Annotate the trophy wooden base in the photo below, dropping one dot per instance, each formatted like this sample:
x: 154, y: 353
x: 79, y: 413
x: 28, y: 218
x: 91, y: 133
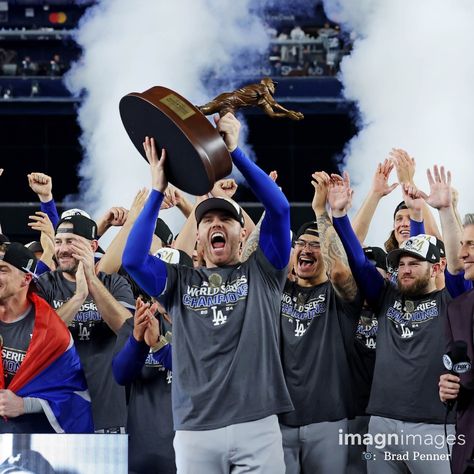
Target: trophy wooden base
x: 196, y: 154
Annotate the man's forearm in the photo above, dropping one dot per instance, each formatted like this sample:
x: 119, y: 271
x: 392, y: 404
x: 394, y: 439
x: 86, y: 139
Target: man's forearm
x: 70, y: 308
x: 452, y: 237
x: 275, y: 229
x: 112, y: 260
x: 364, y: 216
x: 112, y: 312
x: 332, y: 249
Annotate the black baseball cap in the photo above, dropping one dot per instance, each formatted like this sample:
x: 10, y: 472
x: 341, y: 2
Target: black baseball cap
x: 163, y: 232
x: 310, y: 227
x: 220, y: 203
x: 440, y: 245
x: 20, y: 257
x: 34, y: 246
x: 422, y: 246
x: 377, y: 255
x: 81, y: 225
x: 3, y: 239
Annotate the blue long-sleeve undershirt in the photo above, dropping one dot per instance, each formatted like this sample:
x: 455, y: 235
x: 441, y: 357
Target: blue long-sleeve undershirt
x: 129, y: 361
x: 416, y: 228
x: 50, y: 209
x: 149, y: 272
x: 275, y: 229
x: 368, y: 279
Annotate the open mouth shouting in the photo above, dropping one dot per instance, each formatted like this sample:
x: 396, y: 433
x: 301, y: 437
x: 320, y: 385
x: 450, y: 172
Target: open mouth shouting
x: 218, y: 241
x: 306, y: 263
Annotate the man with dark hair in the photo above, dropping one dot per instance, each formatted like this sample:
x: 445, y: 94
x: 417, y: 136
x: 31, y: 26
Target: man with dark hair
x: 94, y: 307
x: 319, y: 313
x: 228, y: 383
x: 42, y: 386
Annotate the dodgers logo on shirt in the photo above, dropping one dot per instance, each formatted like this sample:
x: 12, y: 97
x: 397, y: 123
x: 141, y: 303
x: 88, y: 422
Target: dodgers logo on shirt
x: 215, y: 298
x: 302, y: 310
x: 411, y: 316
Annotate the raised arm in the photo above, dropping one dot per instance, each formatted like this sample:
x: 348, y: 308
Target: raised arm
x: 378, y: 190
x: 148, y: 272
x: 112, y: 260
x: 440, y: 198
x: 42, y: 185
x: 42, y: 223
x: 332, y: 251
x: 114, y: 217
x: 275, y: 230
x: 368, y: 279
x: 405, y: 166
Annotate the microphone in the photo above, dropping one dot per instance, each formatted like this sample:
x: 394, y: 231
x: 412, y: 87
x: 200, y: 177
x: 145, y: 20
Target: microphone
x: 457, y: 362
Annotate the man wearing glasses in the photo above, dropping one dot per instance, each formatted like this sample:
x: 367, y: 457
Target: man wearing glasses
x: 319, y: 313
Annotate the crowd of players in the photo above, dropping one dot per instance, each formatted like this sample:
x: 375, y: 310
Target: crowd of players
x: 234, y: 348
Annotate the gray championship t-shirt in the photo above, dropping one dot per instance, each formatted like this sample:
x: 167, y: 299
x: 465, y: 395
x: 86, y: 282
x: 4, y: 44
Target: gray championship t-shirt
x: 410, y: 348
x: 317, y: 328
x: 95, y: 342
x: 16, y: 337
x: 226, y: 362
x: 362, y: 359
x: 150, y: 419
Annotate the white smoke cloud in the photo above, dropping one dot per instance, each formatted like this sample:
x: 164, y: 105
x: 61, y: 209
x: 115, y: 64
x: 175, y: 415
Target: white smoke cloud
x: 132, y: 46
x: 411, y: 74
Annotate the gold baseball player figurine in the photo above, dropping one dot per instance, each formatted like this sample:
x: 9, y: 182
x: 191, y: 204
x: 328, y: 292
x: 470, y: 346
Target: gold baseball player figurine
x: 257, y: 95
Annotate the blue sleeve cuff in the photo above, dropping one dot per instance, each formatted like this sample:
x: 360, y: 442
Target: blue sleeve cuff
x: 416, y: 228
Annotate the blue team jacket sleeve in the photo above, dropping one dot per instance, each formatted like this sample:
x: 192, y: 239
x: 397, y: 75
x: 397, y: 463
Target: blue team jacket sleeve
x: 275, y: 229
x: 149, y: 272
x: 50, y: 209
x: 369, y: 280
x: 416, y: 228
x: 129, y: 361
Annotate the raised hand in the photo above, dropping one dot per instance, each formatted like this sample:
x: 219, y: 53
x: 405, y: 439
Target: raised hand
x: 42, y: 223
x: 82, y: 251
x: 140, y: 319
x: 229, y: 127
x: 320, y: 181
x: 273, y: 175
x: 137, y: 204
x: 339, y: 194
x: 115, y: 216
x: 404, y: 164
x: 440, y: 188
x: 380, y: 184
x: 82, y: 288
x: 172, y: 197
x: 412, y: 197
x: 152, y: 331
x: 158, y: 176
x: 42, y: 185
x: 224, y: 188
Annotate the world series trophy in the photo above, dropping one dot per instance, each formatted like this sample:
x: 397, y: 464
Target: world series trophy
x: 196, y: 154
